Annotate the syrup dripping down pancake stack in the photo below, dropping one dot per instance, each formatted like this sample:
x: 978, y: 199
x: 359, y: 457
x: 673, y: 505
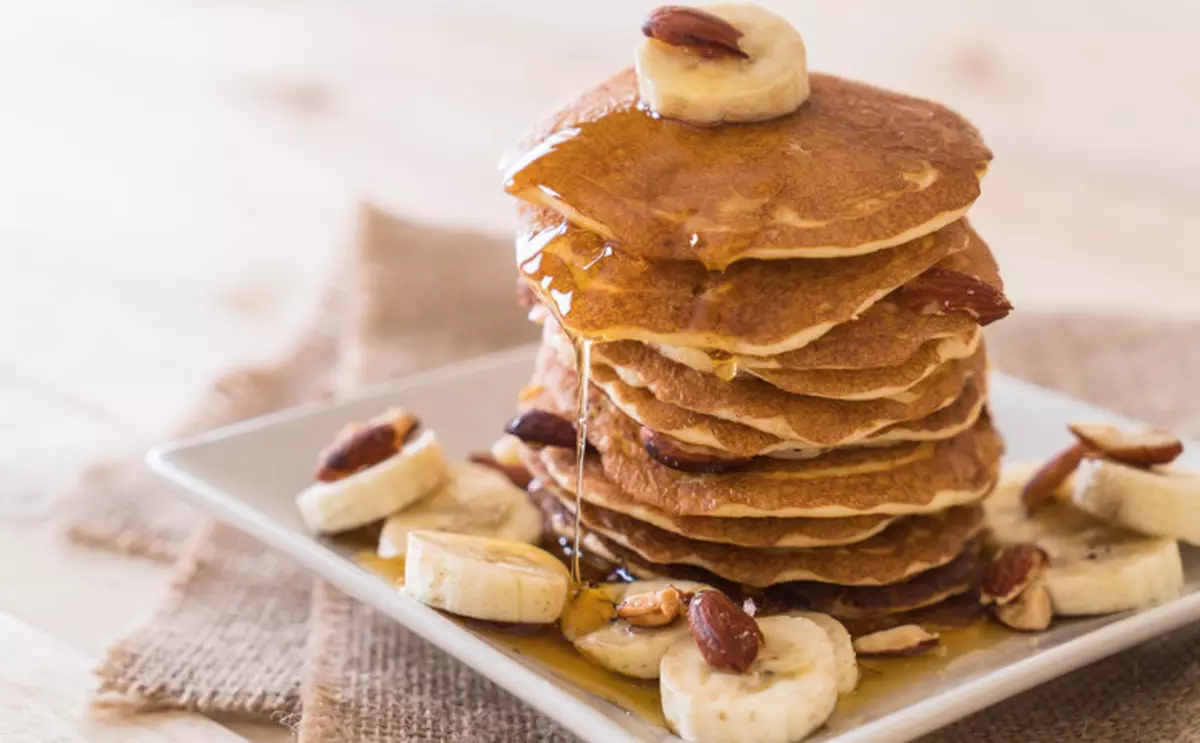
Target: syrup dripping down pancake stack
x: 787, y: 388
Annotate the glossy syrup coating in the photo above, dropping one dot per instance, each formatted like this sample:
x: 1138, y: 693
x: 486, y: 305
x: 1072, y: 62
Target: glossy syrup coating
x: 853, y: 170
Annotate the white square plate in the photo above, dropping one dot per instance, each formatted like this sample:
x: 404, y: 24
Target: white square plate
x: 248, y: 474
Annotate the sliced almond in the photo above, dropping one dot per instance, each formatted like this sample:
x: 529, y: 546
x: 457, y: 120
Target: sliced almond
x: 656, y: 609
x: 679, y: 456
x: 359, y: 446
x: 1139, y: 448
x: 1030, y: 612
x: 1040, y: 488
x: 728, y: 638
x: 907, y: 639
x: 1014, y: 568
x: 941, y: 290
x: 694, y: 31
x: 542, y: 428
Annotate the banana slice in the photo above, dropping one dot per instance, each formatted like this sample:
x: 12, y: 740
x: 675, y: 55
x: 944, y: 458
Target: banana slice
x: 844, y: 656
x: 474, y: 500
x: 483, y: 578
x: 1094, y: 568
x: 506, y: 450
x: 789, y: 690
x: 1159, y: 502
x: 377, y: 491
x: 635, y: 651
x: 771, y: 81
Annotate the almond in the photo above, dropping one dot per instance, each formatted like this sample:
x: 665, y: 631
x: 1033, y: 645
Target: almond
x: 944, y: 290
x: 1137, y: 448
x: 1014, y: 569
x: 656, y: 609
x: 694, y: 31
x: 728, y: 638
x: 679, y: 456
x: 907, y: 639
x: 1030, y: 612
x: 542, y: 428
x: 516, y: 474
x: 358, y: 446
x: 1040, y: 488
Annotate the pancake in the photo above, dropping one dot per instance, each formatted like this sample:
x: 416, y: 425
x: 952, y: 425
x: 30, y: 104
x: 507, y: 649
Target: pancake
x: 601, y: 290
x: 554, y: 384
x: 837, y: 384
x: 908, y: 547
x: 854, y: 170
x: 900, y: 479
x: 886, y: 334
x: 811, y: 421
x: 557, y: 467
x: 871, y: 384
x: 864, y: 606
x: 955, y: 578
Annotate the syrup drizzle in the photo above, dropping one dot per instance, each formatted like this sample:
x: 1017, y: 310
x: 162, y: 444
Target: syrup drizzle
x: 583, y: 366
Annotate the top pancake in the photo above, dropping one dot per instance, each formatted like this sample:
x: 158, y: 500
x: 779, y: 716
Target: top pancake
x: 760, y: 308
x: 854, y: 170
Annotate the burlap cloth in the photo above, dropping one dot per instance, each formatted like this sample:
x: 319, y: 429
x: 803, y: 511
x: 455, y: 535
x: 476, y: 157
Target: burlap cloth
x: 244, y: 632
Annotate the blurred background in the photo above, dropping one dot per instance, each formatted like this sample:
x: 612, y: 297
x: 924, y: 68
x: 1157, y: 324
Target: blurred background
x: 177, y: 175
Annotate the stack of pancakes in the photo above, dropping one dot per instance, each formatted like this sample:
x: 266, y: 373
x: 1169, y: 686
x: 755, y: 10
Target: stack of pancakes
x: 788, y: 390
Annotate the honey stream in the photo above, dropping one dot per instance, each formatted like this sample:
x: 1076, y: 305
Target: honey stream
x: 583, y: 367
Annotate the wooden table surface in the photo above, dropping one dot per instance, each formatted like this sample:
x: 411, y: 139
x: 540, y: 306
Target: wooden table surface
x: 176, y: 175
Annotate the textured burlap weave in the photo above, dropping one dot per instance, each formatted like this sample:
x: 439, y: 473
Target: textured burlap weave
x: 372, y: 680
x: 227, y: 592
x: 243, y: 631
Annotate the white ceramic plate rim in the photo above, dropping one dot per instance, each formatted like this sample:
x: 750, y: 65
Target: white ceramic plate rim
x: 579, y: 714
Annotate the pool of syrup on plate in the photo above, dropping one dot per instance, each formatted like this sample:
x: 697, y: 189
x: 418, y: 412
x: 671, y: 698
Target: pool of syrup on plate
x: 550, y: 652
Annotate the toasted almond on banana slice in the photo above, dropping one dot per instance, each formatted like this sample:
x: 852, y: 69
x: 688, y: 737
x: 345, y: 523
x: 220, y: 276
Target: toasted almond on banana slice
x: 1158, y: 502
x: 721, y: 63
x: 1040, y: 489
x: 1031, y: 611
x: 787, y: 692
x: 907, y: 639
x: 475, y: 499
x: 1141, y: 448
x: 484, y: 578
x: 614, y: 643
x: 378, y: 490
x: 844, y: 656
x: 1092, y: 567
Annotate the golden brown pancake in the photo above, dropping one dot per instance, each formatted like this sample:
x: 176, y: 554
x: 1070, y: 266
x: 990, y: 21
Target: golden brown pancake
x: 864, y: 607
x: 554, y: 387
x: 838, y: 384
x: 886, y: 334
x: 869, y: 384
x: 927, y: 589
x: 600, y: 290
x: 557, y: 467
x: 854, y: 170
x: 813, y: 421
x: 908, y: 547
x: 900, y: 479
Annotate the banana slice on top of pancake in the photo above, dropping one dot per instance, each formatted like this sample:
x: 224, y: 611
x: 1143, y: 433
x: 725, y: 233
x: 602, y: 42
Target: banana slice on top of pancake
x: 721, y: 63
